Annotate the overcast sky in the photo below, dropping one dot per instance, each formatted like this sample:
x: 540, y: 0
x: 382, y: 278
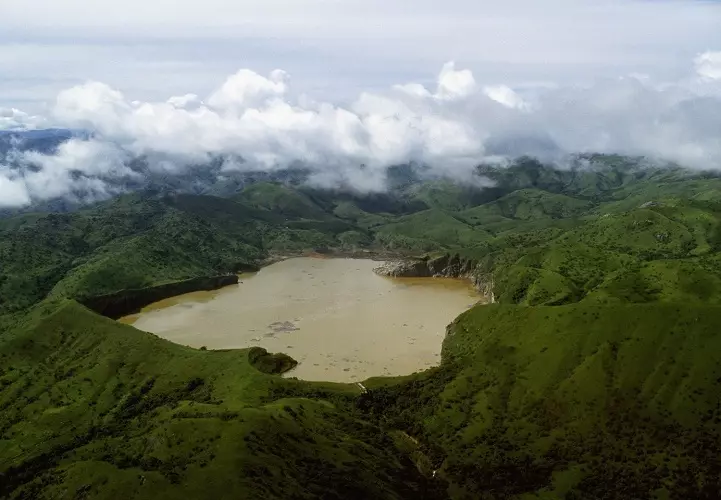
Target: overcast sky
x: 151, y: 49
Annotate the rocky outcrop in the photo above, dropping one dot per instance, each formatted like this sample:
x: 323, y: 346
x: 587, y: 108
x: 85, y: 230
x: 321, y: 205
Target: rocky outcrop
x: 124, y: 302
x: 404, y: 269
x: 445, y: 266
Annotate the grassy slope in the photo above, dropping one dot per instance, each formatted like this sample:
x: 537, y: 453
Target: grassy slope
x: 599, y: 395
x: 527, y: 204
x: 609, y: 401
x: 91, y: 407
x: 135, y: 241
x: 282, y: 200
x: 431, y: 229
x: 128, y: 242
x: 642, y: 255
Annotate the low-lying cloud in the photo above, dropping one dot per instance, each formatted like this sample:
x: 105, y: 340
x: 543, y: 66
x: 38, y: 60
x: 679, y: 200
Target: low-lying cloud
x: 708, y: 65
x: 261, y: 123
x: 14, y: 119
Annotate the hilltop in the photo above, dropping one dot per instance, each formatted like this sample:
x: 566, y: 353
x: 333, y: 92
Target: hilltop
x: 593, y: 375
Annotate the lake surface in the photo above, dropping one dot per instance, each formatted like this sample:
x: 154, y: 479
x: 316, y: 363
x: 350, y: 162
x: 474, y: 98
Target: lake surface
x: 341, y: 321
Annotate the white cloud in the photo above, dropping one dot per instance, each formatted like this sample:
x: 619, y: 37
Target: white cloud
x: 453, y: 84
x: 11, y: 118
x: 13, y: 193
x: 505, y: 95
x: 87, y: 157
x: 708, y: 65
x: 259, y: 122
x: 93, y: 105
x: 80, y: 169
x: 152, y: 49
x: 257, y: 118
x: 246, y: 89
x: 184, y: 101
x: 413, y: 89
x: 254, y: 117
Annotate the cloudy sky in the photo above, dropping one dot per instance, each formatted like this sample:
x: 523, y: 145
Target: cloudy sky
x: 337, y: 83
x: 335, y: 48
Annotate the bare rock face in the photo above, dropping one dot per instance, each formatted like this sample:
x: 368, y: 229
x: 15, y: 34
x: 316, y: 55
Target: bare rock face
x: 404, y: 269
x: 445, y: 266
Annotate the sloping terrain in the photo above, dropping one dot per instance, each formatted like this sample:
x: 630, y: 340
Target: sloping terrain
x: 93, y: 408
x: 588, y: 401
x: 594, y: 375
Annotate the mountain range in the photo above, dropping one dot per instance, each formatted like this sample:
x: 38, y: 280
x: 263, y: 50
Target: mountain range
x: 593, y: 374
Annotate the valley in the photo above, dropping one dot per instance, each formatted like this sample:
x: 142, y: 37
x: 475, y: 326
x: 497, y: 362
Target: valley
x: 593, y: 374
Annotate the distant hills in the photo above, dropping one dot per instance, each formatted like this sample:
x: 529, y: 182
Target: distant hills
x: 38, y: 134
x: 594, y: 374
x: 43, y: 140
x: 582, y: 175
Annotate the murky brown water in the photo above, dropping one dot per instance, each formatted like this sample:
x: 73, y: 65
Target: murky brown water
x: 340, y: 321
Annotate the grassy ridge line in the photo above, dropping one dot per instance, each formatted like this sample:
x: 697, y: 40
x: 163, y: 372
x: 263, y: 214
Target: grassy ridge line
x: 660, y: 350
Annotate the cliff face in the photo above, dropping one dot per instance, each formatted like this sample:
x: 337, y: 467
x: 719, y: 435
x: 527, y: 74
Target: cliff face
x: 445, y: 266
x: 115, y: 305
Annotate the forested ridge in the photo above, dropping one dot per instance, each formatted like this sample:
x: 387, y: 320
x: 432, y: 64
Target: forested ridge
x: 594, y: 374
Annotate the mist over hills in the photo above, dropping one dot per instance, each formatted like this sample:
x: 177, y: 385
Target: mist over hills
x: 256, y: 125
x: 67, y: 187
x: 594, y: 374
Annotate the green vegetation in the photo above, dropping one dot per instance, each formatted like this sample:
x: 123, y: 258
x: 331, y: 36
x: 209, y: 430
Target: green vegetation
x: 271, y: 363
x: 594, y: 375
x: 599, y: 401
x: 93, y: 408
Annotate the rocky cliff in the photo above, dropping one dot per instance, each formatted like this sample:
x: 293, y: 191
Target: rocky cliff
x: 124, y: 302
x: 445, y: 266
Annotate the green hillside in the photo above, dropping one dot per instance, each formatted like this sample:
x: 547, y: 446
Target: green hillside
x: 585, y: 400
x: 93, y: 408
x: 281, y: 200
x: 528, y: 204
x: 594, y: 375
x: 429, y: 230
x: 135, y: 241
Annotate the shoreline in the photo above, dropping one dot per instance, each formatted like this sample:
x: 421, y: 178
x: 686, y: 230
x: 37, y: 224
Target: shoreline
x: 378, y: 256
x: 131, y: 301
x: 128, y: 303
x: 443, y: 266
x: 404, y: 265
x: 243, y: 316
